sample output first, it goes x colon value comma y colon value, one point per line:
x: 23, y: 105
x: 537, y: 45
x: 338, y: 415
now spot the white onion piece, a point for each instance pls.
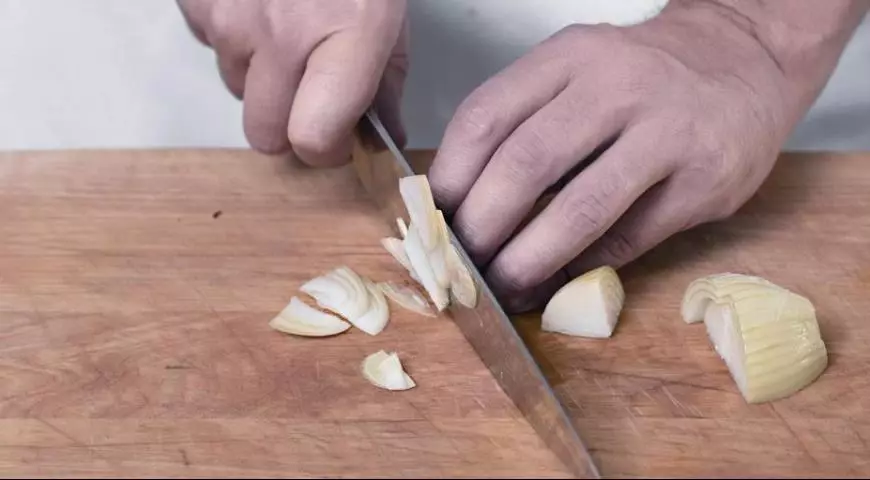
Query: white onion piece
x: 420, y: 262
x: 384, y: 370
x: 462, y: 286
x: 341, y: 291
x: 767, y: 336
x: 418, y: 200
x: 406, y: 298
x: 439, y: 253
x: 403, y: 228
x: 299, y: 318
x: 375, y: 319
x: 587, y: 306
x: 397, y: 249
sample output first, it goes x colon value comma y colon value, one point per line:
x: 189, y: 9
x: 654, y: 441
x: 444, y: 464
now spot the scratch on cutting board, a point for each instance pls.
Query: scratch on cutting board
x: 184, y: 459
x: 674, y: 400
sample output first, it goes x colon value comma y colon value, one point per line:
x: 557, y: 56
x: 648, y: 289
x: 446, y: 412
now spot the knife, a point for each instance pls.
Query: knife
x: 380, y: 164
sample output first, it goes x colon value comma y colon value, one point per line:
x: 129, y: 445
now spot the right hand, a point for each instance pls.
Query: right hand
x: 307, y: 70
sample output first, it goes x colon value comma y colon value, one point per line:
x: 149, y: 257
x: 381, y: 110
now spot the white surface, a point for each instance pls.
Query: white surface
x: 106, y: 73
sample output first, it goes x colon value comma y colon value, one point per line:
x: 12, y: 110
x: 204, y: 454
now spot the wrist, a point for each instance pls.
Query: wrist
x: 804, y: 40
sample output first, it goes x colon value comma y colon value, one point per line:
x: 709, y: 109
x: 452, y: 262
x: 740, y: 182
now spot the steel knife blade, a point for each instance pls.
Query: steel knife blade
x: 380, y: 164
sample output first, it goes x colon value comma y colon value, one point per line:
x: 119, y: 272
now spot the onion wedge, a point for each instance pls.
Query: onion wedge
x: 341, y: 291
x: 298, y: 318
x: 384, y: 370
x: 462, y: 286
x: 767, y: 336
x: 397, y: 249
x: 587, y: 306
x: 438, y: 255
x: 403, y: 228
x: 406, y: 298
x: 420, y: 261
x: 375, y: 319
x: 418, y: 200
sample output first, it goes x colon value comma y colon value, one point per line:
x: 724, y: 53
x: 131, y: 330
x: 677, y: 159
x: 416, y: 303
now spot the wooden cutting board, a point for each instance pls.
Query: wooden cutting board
x: 136, y: 287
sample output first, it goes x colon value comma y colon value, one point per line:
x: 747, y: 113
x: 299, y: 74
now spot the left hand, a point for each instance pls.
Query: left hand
x: 694, y: 109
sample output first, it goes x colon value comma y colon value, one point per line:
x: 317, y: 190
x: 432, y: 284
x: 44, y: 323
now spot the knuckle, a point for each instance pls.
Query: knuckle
x: 584, y: 212
x: 511, y: 277
x: 311, y: 141
x: 475, y: 123
x: 525, y: 159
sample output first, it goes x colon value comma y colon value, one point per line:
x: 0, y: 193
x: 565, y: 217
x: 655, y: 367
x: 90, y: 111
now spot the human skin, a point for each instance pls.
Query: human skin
x: 306, y: 70
x: 632, y: 133
x: 688, y: 112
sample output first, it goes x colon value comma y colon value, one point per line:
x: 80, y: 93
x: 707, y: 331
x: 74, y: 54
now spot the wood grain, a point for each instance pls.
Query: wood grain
x: 134, y: 337
x: 655, y: 399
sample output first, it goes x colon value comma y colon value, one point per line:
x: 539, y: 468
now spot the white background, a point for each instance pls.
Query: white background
x: 109, y: 73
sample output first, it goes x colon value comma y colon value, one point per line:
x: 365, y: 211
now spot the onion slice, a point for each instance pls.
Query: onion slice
x: 341, y: 291
x: 767, y: 336
x: 384, y: 370
x: 418, y: 200
x: 420, y: 261
x: 375, y: 319
x: 403, y: 228
x: 299, y: 318
x: 462, y: 286
x: 397, y: 249
x: 587, y: 306
x: 406, y: 298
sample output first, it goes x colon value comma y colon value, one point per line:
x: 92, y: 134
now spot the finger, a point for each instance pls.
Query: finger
x: 580, y: 213
x: 270, y: 86
x: 536, y: 155
x: 233, y: 67
x: 487, y: 117
x: 661, y: 212
x: 388, y: 100
x: 341, y: 78
x: 195, y: 15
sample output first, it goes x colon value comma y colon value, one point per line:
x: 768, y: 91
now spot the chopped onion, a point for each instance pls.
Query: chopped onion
x: 384, y: 370
x: 378, y: 314
x: 298, y: 318
x: 406, y: 298
x: 403, y: 229
x: 418, y: 200
x: 439, y: 253
x: 767, y: 336
x: 397, y: 249
x: 587, y: 306
x: 462, y: 286
x: 341, y: 291
x: 420, y: 262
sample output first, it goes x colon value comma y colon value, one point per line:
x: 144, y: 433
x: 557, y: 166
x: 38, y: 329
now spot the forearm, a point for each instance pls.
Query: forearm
x: 805, y: 38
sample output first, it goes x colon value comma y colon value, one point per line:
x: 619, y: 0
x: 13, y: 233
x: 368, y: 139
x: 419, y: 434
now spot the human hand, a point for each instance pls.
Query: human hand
x: 307, y: 70
x: 690, y: 110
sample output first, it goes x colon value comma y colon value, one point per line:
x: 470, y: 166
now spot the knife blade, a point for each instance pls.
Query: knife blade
x: 380, y: 164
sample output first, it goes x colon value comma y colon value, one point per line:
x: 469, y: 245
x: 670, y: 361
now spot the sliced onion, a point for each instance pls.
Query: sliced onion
x: 384, y: 370
x: 418, y: 200
x: 587, y: 306
x: 403, y: 228
x: 397, y: 249
x: 438, y: 255
x: 298, y: 318
x: 375, y: 319
x: 406, y: 298
x: 768, y: 336
x: 420, y: 262
x: 341, y: 291
x: 462, y: 286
